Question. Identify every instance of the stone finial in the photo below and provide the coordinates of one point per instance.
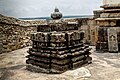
(56, 14)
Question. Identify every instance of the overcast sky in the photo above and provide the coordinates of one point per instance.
(39, 8)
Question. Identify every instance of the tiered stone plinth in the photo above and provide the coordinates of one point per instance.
(57, 47)
(56, 52)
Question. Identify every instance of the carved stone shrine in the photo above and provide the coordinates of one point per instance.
(108, 20)
(57, 47)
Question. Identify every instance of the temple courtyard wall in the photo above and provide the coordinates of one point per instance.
(15, 33)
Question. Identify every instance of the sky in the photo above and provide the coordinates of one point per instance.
(43, 8)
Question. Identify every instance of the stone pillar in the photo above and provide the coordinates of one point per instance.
(112, 40)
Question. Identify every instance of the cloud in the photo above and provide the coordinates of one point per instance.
(35, 8)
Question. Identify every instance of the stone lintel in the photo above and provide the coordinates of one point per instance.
(106, 19)
(110, 10)
(111, 6)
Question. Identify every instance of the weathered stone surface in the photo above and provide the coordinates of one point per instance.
(112, 40)
(14, 34)
(110, 15)
(111, 2)
(104, 64)
(111, 5)
(108, 30)
(56, 14)
(59, 50)
(1, 48)
(58, 37)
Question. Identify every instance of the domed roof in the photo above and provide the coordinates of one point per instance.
(56, 14)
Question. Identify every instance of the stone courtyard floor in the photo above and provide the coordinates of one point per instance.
(105, 66)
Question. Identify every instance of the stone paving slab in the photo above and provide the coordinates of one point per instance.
(105, 66)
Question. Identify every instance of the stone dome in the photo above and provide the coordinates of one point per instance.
(56, 14)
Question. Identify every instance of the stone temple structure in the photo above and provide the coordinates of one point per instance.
(108, 20)
(57, 47)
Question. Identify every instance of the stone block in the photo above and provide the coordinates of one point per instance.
(1, 48)
(78, 58)
(39, 58)
(58, 39)
(60, 68)
(110, 15)
(37, 69)
(36, 63)
(112, 40)
(78, 64)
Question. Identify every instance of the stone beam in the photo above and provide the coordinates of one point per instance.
(111, 2)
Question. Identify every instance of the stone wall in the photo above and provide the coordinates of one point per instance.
(13, 37)
(88, 25)
(15, 33)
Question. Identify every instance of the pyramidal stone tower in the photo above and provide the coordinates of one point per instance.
(57, 46)
(108, 20)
